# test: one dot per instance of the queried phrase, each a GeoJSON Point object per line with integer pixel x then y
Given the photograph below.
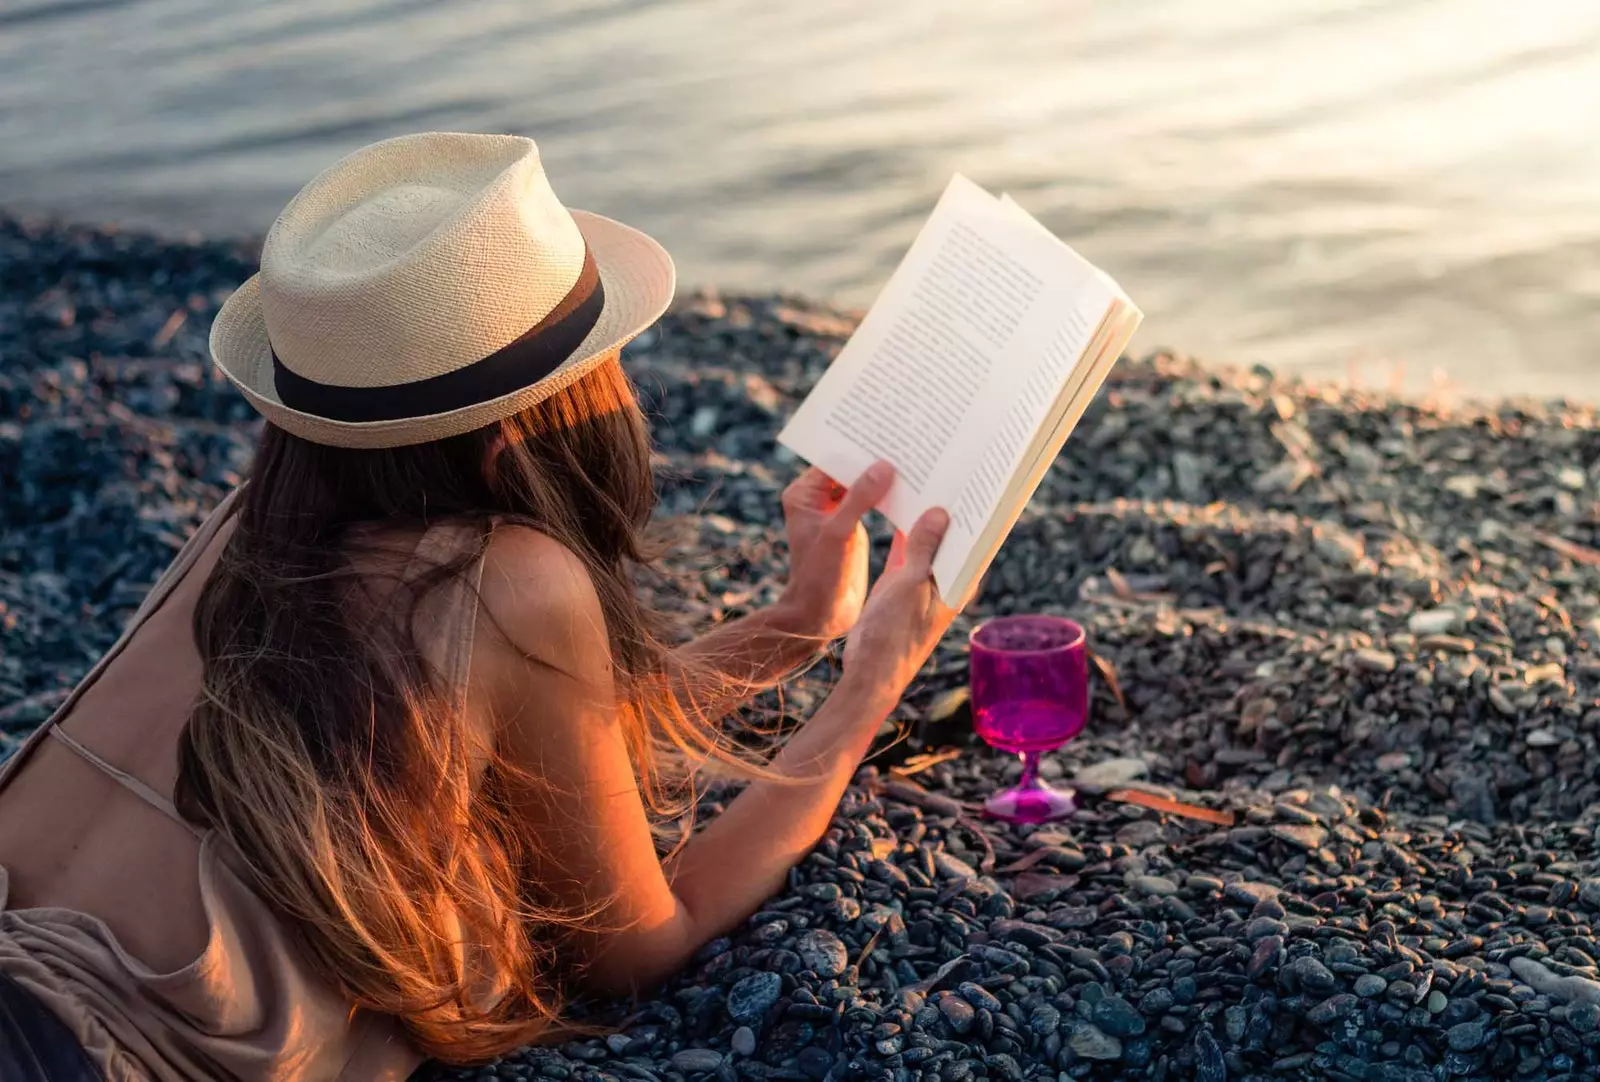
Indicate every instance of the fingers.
{"type": "Point", "coordinates": [813, 489]}
{"type": "Point", "coordinates": [925, 536]}
{"type": "Point", "coordinates": [870, 488]}
{"type": "Point", "coordinates": [897, 551]}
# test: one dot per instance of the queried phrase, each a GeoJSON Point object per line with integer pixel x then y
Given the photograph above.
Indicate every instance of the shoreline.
{"type": "Point", "coordinates": [1365, 627]}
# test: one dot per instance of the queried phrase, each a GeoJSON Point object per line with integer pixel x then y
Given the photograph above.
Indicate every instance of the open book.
{"type": "Point", "coordinates": [967, 374]}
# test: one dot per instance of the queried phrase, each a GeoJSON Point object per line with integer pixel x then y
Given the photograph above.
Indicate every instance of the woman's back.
{"type": "Point", "coordinates": [450, 846]}
{"type": "Point", "coordinates": [135, 928]}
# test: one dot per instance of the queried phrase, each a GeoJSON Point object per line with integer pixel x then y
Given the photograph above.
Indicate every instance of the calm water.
{"type": "Point", "coordinates": [1391, 189]}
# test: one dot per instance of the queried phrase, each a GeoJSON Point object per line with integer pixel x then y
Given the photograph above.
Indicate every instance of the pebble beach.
{"type": "Point", "coordinates": [1338, 789]}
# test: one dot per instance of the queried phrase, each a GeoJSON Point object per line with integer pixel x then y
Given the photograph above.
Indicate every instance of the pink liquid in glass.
{"type": "Point", "coordinates": [1030, 694]}
{"type": "Point", "coordinates": [1028, 724]}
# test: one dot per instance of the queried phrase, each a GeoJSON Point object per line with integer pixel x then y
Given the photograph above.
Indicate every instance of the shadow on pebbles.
{"type": "Point", "coordinates": [1365, 629]}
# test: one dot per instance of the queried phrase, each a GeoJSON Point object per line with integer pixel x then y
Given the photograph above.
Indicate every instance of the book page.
{"type": "Point", "coordinates": [1099, 357]}
{"type": "Point", "coordinates": [956, 366]}
{"type": "Point", "coordinates": [920, 371]}
{"type": "Point", "coordinates": [936, 355]}
{"type": "Point", "coordinates": [1031, 399]}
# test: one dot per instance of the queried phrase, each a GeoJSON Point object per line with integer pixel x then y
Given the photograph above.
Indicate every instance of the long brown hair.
{"type": "Point", "coordinates": [324, 751]}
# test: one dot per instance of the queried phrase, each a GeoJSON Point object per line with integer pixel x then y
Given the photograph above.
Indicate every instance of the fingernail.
{"type": "Point", "coordinates": [879, 471]}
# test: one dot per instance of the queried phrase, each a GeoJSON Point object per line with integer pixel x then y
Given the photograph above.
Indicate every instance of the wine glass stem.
{"type": "Point", "coordinates": [1030, 771]}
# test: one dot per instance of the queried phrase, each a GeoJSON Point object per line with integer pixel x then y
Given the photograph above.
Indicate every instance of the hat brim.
{"type": "Point", "coordinates": [636, 273]}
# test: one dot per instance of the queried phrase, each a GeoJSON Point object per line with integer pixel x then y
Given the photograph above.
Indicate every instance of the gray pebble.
{"type": "Point", "coordinates": [752, 997]}
{"type": "Point", "coordinates": [1465, 1036]}
{"type": "Point", "coordinates": [823, 953]}
{"type": "Point", "coordinates": [1091, 1042]}
{"type": "Point", "coordinates": [1370, 985]}
{"type": "Point", "coordinates": [696, 1060]}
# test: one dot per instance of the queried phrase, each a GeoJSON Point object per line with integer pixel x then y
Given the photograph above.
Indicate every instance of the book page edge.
{"type": "Point", "coordinates": [1121, 322]}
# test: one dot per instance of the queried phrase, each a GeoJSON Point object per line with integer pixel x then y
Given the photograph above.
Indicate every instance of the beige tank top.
{"type": "Point", "coordinates": [249, 1008]}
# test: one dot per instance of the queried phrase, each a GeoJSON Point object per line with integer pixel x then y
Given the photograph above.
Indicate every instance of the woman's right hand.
{"type": "Point", "coordinates": [904, 618]}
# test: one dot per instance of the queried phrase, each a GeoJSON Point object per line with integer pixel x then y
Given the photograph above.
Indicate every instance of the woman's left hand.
{"type": "Point", "coordinates": [828, 549]}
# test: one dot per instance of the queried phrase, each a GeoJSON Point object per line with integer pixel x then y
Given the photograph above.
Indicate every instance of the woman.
{"type": "Point", "coordinates": [397, 701]}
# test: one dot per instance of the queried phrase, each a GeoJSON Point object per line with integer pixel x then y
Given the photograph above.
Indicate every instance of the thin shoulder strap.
{"type": "Point", "coordinates": [124, 779]}
{"type": "Point", "coordinates": [460, 620]}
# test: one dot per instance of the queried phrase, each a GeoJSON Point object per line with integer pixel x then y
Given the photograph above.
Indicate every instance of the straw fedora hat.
{"type": "Point", "coordinates": [429, 285]}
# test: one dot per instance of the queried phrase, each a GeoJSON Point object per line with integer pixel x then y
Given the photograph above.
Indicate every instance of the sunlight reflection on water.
{"type": "Point", "coordinates": [1316, 185]}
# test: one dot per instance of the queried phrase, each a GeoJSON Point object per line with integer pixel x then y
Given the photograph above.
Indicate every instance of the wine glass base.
{"type": "Point", "coordinates": [1032, 804]}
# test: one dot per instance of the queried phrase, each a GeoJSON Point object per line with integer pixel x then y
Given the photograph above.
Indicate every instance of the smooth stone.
{"type": "Point", "coordinates": [1044, 1020]}
{"type": "Point", "coordinates": [979, 996]}
{"type": "Point", "coordinates": [1268, 948]}
{"type": "Point", "coordinates": [815, 1062]}
{"type": "Point", "coordinates": [1370, 986]}
{"type": "Point", "coordinates": [743, 1041]}
{"type": "Point", "coordinates": [1287, 476]}
{"type": "Point", "coordinates": [1568, 989]}
{"type": "Point", "coordinates": [1108, 774]}
{"type": "Point", "coordinates": [1589, 894]}
{"type": "Point", "coordinates": [704, 421]}
{"type": "Point", "coordinates": [1118, 1017]}
{"type": "Point", "coordinates": [1369, 659]}
{"type": "Point", "coordinates": [1441, 621]}
{"type": "Point", "coordinates": [1156, 1001]}
{"type": "Point", "coordinates": [1583, 1017]}
{"type": "Point", "coordinates": [1158, 886]}
{"type": "Point", "coordinates": [1313, 976]}
{"type": "Point", "coordinates": [1332, 1009]}
{"type": "Point", "coordinates": [1140, 833]}
{"type": "Point", "coordinates": [1341, 549]}
{"type": "Point", "coordinates": [696, 1060]}
{"type": "Point", "coordinates": [1249, 893]}
{"type": "Point", "coordinates": [953, 867]}
{"type": "Point", "coordinates": [1189, 473]}
{"type": "Point", "coordinates": [823, 953]}
{"type": "Point", "coordinates": [1465, 1036]}
{"type": "Point", "coordinates": [753, 997]}
{"type": "Point", "coordinates": [1261, 927]}
{"type": "Point", "coordinates": [1209, 1066]}
{"type": "Point", "coordinates": [1025, 932]}
{"type": "Point", "coordinates": [957, 1012]}
{"type": "Point", "coordinates": [1091, 1042]}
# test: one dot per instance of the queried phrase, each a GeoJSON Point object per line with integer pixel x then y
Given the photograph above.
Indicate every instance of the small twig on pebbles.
{"type": "Point", "coordinates": [1571, 550]}
{"type": "Point", "coordinates": [169, 329]}
{"type": "Point", "coordinates": [1028, 860]}
{"type": "Point", "coordinates": [918, 763]}
{"type": "Point", "coordinates": [869, 947]}
{"type": "Point", "coordinates": [1172, 807]}
{"type": "Point", "coordinates": [911, 793]}
{"type": "Point", "coordinates": [945, 706]}
{"type": "Point", "coordinates": [1108, 673]}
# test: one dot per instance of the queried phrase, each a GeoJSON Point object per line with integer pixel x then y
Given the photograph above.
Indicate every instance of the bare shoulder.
{"type": "Point", "coordinates": [539, 605]}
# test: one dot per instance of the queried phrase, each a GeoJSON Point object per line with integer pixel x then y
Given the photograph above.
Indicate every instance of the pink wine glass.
{"type": "Point", "coordinates": [1030, 694]}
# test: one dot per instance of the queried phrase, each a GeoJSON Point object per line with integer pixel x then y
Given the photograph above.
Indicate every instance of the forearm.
{"type": "Point", "coordinates": [743, 856]}
{"type": "Point", "coordinates": [718, 671]}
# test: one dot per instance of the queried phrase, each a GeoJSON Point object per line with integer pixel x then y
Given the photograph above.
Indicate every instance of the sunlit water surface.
{"type": "Point", "coordinates": [1391, 190]}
